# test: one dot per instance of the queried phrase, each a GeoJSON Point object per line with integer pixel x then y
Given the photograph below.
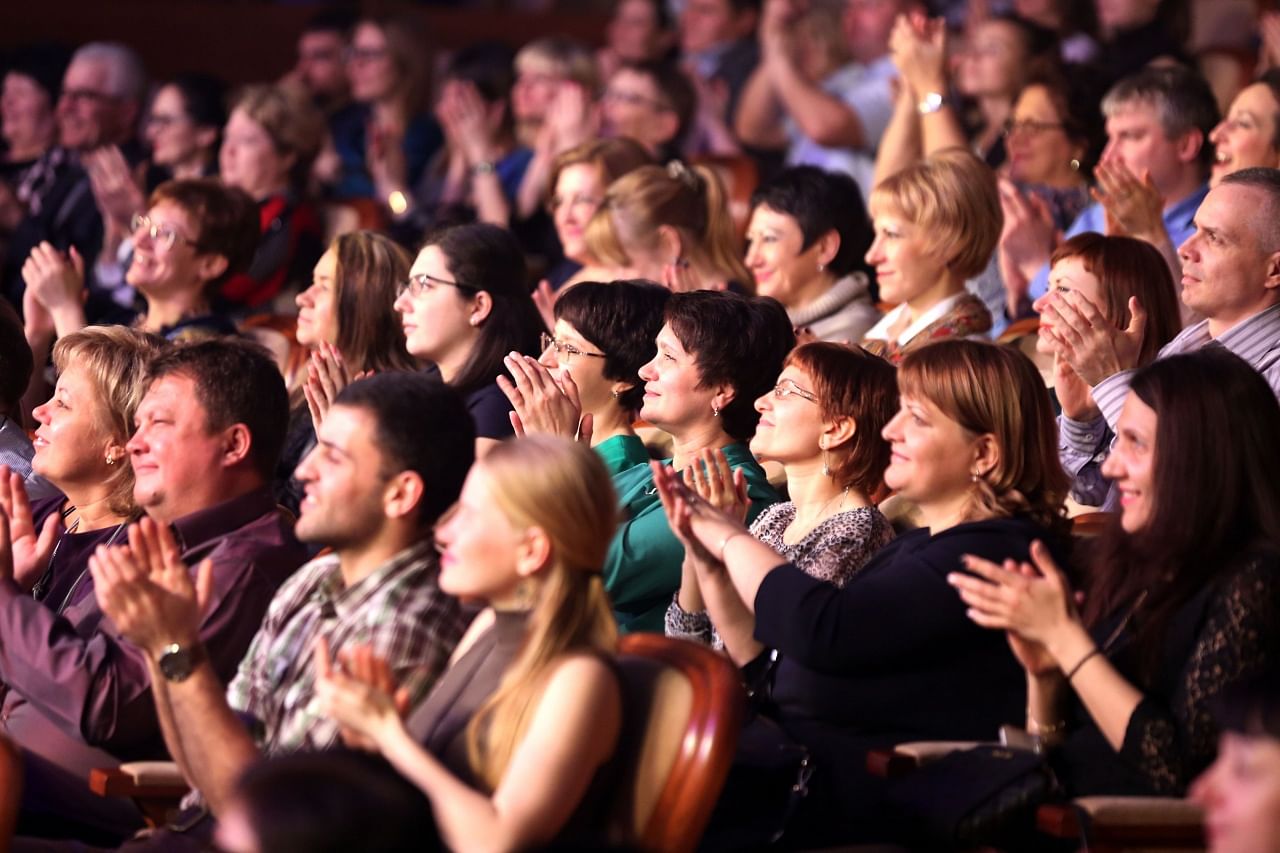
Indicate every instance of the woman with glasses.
{"type": "Point", "coordinates": [717, 353]}
{"type": "Point", "coordinates": [846, 669]}
{"type": "Point", "coordinates": [587, 383]}
{"type": "Point", "coordinates": [195, 235]}
{"type": "Point", "coordinates": [464, 308]}
{"type": "Point", "coordinates": [822, 423]}
{"type": "Point", "coordinates": [184, 128]}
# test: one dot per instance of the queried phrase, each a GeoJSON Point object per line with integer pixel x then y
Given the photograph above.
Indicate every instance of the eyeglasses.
{"type": "Point", "coordinates": [565, 352]}
{"type": "Point", "coordinates": [786, 388]}
{"type": "Point", "coordinates": [1032, 127]}
{"type": "Point", "coordinates": [416, 285]}
{"type": "Point", "coordinates": [635, 99]}
{"type": "Point", "coordinates": [164, 236]}
{"type": "Point", "coordinates": [87, 95]}
{"type": "Point", "coordinates": [160, 121]}
{"type": "Point", "coordinates": [364, 54]}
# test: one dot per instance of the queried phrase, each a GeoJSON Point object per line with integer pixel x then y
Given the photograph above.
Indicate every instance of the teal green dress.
{"type": "Point", "coordinates": [622, 452]}
{"type": "Point", "coordinates": [642, 568]}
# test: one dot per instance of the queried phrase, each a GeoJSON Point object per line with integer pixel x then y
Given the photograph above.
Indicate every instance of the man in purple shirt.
{"type": "Point", "coordinates": [75, 694]}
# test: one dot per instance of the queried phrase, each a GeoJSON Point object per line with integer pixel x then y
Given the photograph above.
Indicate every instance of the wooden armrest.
{"type": "Point", "coordinates": [139, 779]}
{"type": "Point", "coordinates": [1162, 821]}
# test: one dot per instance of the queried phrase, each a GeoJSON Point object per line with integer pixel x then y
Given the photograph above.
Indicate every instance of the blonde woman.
{"type": "Point", "coordinates": [668, 224]}
{"type": "Point", "coordinates": [494, 746]}
{"type": "Point", "coordinates": [936, 224]}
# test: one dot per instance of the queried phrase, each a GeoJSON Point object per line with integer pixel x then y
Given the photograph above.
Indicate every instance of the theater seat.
{"type": "Point", "coordinates": [684, 707]}
{"type": "Point", "coordinates": [155, 787]}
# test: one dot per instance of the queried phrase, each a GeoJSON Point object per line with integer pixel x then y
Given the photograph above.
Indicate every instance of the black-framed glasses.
{"type": "Point", "coordinates": [165, 236]}
{"type": "Point", "coordinates": [786, 388]}
{"type": "Point", "coordinates": [566, 351]}
{"type": "Point", "coordinates": [1032, 127]}
{"type": "Point", "coordinates": [87, 95]}
{"type": "Point", "coordinates": [416, 285]}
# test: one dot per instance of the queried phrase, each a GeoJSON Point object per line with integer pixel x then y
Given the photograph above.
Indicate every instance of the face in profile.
{"type": "Point", "coordinates": [1131, 463]}
{"type": "Point", "coordinates": [317, 305]}
{"type": "Point", "coordinates": [343, 481]}
{"type": "Point", "coordinates": [1240, 793]}
{"type": "Point", "coordinates": [791, 423]}
{"type": "Point", "coordinates": [73, 442]}
{"type": "Point", "coordinates": [479, 547]}
{"type": "Point", "coordinates": [1067, 276]}
{"type": "Point", "coordinates": [579, 192]}
{"type": "Point", "coordinates": [932, 457]}
{"type": "Point", "coordinates": [782, 265]}
{"type": "Point", "coordinates": [673, 393]}
{"type": "Point", "coordinates": [1246, 136]}
{"type": "Point", "coordinates": [908, 269]}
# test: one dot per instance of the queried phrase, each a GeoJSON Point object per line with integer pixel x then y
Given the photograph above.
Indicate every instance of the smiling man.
{"type": "Point", "coordinates": [390, 458]}
{"type": "Point", "coordinates": [1230, 276]}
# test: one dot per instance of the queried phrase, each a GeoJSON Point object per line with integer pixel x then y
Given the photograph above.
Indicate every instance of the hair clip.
{"type": "Point", "coordinates": [678, 171]}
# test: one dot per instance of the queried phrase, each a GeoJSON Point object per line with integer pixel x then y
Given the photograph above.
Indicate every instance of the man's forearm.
{"type": "Point", "coordinates": [822, 117]}
{"type": "Point", "coordinates": [164, 713]}
{"type": "Point", "coordinates": [213, 743]}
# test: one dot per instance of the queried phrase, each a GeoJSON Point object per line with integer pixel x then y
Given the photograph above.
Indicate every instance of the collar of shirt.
{"type": "Point", "coordinates": [1251, 339]}
{"type": "Point", "coordinates": [220, 519]}
{"type": "Point", "coordinates": [334, 597]}
{"type": "Point", "coordinates": [1179, 216]}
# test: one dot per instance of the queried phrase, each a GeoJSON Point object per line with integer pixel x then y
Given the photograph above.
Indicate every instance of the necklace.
{"type": "Point", "coordinates": [41, 586]}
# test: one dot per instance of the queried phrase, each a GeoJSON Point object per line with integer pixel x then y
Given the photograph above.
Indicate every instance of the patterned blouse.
{"type": "Point", "coordinates": [831, 552]}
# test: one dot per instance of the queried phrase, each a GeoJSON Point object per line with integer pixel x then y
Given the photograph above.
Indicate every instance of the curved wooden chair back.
{"type": "Point", "coordinates": [684, 705]}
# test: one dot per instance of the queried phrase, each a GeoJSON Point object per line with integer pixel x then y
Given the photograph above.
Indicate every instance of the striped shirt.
{"type": "Point", "coordinates": [1083, 446]}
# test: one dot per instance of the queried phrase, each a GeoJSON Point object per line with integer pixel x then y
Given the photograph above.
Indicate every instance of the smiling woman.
{"type": "Point", "coordinates": [1249, 134]}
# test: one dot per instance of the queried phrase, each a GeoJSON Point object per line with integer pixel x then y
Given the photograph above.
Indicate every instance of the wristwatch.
{"type": "Point", "coordinates": [176, 663]}
{"type": "Point", "coordinates": [484, 167]}
{"type": "Point", "coordinates": [931, 103]}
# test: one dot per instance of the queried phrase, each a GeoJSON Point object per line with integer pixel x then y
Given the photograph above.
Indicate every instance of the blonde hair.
{"type": "Point", "coordinates": [563, 488]}
{"type": "Point", "coordinates": [294, 123]}
{"type": "Point", "coordinates": [114, 359]}
{"type": "Point", "coordinates": [690, 199]}
{"type": "Point", "coordinates": [951, 197]}
{"type": "Point", "coordinates": [613, 157]}
{"type": "Point", "coordinates": [991, 389]}
{"type": "Point", "coordinates": [561, 57]}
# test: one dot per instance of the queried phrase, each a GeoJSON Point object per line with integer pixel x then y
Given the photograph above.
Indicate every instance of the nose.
{"type": "Point", "coordinates": [753, 255]}
{"type": "Point", "coordinates": [647, 371]}
{"type": "Point", "coordinates": [1112, 467]}
{"type": "Point", "coordinates": [1187, 251]}
{"type": "Point", "coordinates": [1040, 302]}
{"type": "Point", "coordinates": [402, 303]}
{"type": "Point", "coordinates": [892, 430]}
{"type": "Point", "coordinates": [1110, 153]}
{"type": "Point", "coordinates": [137, 443]}
{"type": "Point", "coordinates": [875, 254]}
{"type": "Point", "coordinates": [41, 413]}
{"type": "Point", "coordinates": [304, 473]}
{"type": "Point", "coordinates": [548, 358]}
{"type": "Point", "coordinates": [1218, 132]}
{"type": "Point", "coordinates": [303, 299]}
{"type": "Point", "coordinates": [764, 402]}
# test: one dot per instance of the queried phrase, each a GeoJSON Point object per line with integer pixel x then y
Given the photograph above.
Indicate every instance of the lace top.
{"type": "Point", "coordinates": [1228, 633]}
{"type": "Point", "coordinates": [831, 552]}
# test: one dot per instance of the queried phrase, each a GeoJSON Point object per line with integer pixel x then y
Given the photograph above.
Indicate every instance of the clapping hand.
{"type": "Point", "coordinates": [1133, 207]}
{"type": "Point", "coordinates": [1089, 342]}
{"type": "Point", "coordinates": [327, 375]}
{"type": "Point", "coordinates": [24, 552]}
{"type": "Point", "coordinates": [543, 404]}
{"type": "Point", "coordinates": [359, 692]}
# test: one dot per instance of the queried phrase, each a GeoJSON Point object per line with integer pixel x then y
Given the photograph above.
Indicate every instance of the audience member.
{"type": "Point", "coordinates": [544, 69]}
{"type": "Point", "coordinates": [638, 31]}
{"type": "Point", "coordinates": [321, 67]}
{"type": "Point", "coordinates": [464, 308]}
{"type": "Point", "coordinates": [1137, 35]}
{"type": "Point", "coordinates": [670, 225]}
{"type": "Point", "coordinates": [16, 366]}
{"type": "Point", "coordinates": [1151, 176]}
{"type": "Point", "coordinates": [489, 745]}
{"type": "Point", "coordinates": [1121, 279]}
{"type": "Point", "coordinates": [99, 105]}
{"type": "Point", "coordinates": [196, 234]}
{"type": "Point", "coordinates": [386, 138]}
{"type": "Point", "coordinates": [267, 148]}
{"type": "Point", "coordinates": [392, 456]}
{"type": "Point", "coordinates": [1182, 596]}
{"type": "Point", "coordinates": [1228, 278]}
{"type": "Point", "coordinates": [716, 354]}
{"type": "Point", "coordinates": [653, 103]}
{"type": "Point", "coordinates": [1075, 23]}
{"type": "Point", "coordinates": [586, 384]}
{"type": "Point", "coordinates": [208, 430]}
{"type": "Point", "coordinates": [718, 48]}
{"type": "Point", "coordinates": [936, 224]}
{"type": "Point", "coordinates": [1240, 792]}
{"type": "Point", "coordinates": [973, 445]}
{"type": "Point", "coordinates": [1249, 134]}
{"type": "Point", "coordinates": [184, 128]}
{"type": "Point", "coordinates": [829, 445]}
{"type": "Point", "coordinates": [28, 125]}
{"type": "Point", "coordinates": [834, 123]}
{"type": "Point", "coordinates": [579, 178]}
{"type": "Point", "coordinates": [348, 323]}
{"type": "Point", "coordinates": [806, 245]}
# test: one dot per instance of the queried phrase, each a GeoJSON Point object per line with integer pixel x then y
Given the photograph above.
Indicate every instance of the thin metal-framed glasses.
{"type": "Point", "coordinates": [165, 236]}
{"type": "Point", "coordinates": [786, 388]}
{"type": "Point", "coordinates": [1028, 126]}
{"type": "Point", "coordinates": [416, 285]}
{"type": "Point", "coordinates": [565, 351]}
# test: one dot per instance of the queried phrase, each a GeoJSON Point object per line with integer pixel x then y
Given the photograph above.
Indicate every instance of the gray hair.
{"type": "Point", "coordinates": [126, 77]}
{"type": "Point", "coordinates": [1180, 96]}
{"type": "Point", "coordinates": [1266, 181]}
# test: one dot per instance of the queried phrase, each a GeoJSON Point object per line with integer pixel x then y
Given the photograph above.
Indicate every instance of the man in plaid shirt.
{"type": "Point", "coordinates": [391, 457]}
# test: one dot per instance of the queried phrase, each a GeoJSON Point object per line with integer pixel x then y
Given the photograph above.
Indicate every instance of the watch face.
{"type": "Point", "coordinates": [175, 663]}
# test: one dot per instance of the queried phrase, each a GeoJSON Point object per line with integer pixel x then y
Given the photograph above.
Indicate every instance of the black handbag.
{"type": "Point", "coordinates": [986, 795]}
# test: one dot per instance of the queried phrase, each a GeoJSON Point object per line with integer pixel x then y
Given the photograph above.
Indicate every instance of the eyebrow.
{"type": "Point", "coordinates": [329, 445]}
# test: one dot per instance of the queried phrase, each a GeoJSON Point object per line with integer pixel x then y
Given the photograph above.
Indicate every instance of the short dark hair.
{"type": "Point", "coordinates": [424, 427]}
{"type": "Point", "coordinates": [676, 92]}
{"type": "Point", "coordinates": [623, 319]}
{"type": "Point", "coordinates": [1181, 96]}
{"type": "Point", "coordinates": [820, 202]}
{"type": "Point", "coordinates": [204, 99]}
{"type": "Point", "coordinates": [16, 361]}
{"type": "Point", "coordinates": [485, 257]}
{"type": "Point", "coordinates": [1075, 92]}
{"type": "Point", "coordinates": [1267, 181]}
{"type": "Point", "coordinates": [237, 382]}
{"type": "Point", "coordinates": [735, 339]}
{"type": "Point", "coordinates": [489, 66]}
{"type": "Point", "coordinates": [227, 219]}
{"type": "Point", "coordinates": [337, 799]}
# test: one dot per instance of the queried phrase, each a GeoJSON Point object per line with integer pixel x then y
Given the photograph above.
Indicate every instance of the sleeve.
{"type": "Point", "coordinates": [1109, 396]}
{"type": "Point", "coordinates": [1170, 744]}
{"type": "Point", "coordinates": [1081, 447]}
{"type": "Point", "coordinates": [489, 410]}
{"type": "Point", "coordinates": [872, 101]}
{"type": "Point", "coordinates": [683, 625]}
{"type": "Point", "coordinates": [642, 568]}
{"type": "Point", "coordinates": [860, 626]}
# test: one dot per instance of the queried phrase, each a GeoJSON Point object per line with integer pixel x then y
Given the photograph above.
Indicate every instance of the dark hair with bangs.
{"type": "Point", "coordinates": [821, 202]}
{"type": "Point", "coordinates": [370, 268]}
{"type": "Point", "coordinates": [622, 319]}
{"type": "Point", "coordinates": [1216, 501]}
{"type": "Point", "coordinates": [851, 382]}
{"type": "Point", "coordinates": [735, 339]}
